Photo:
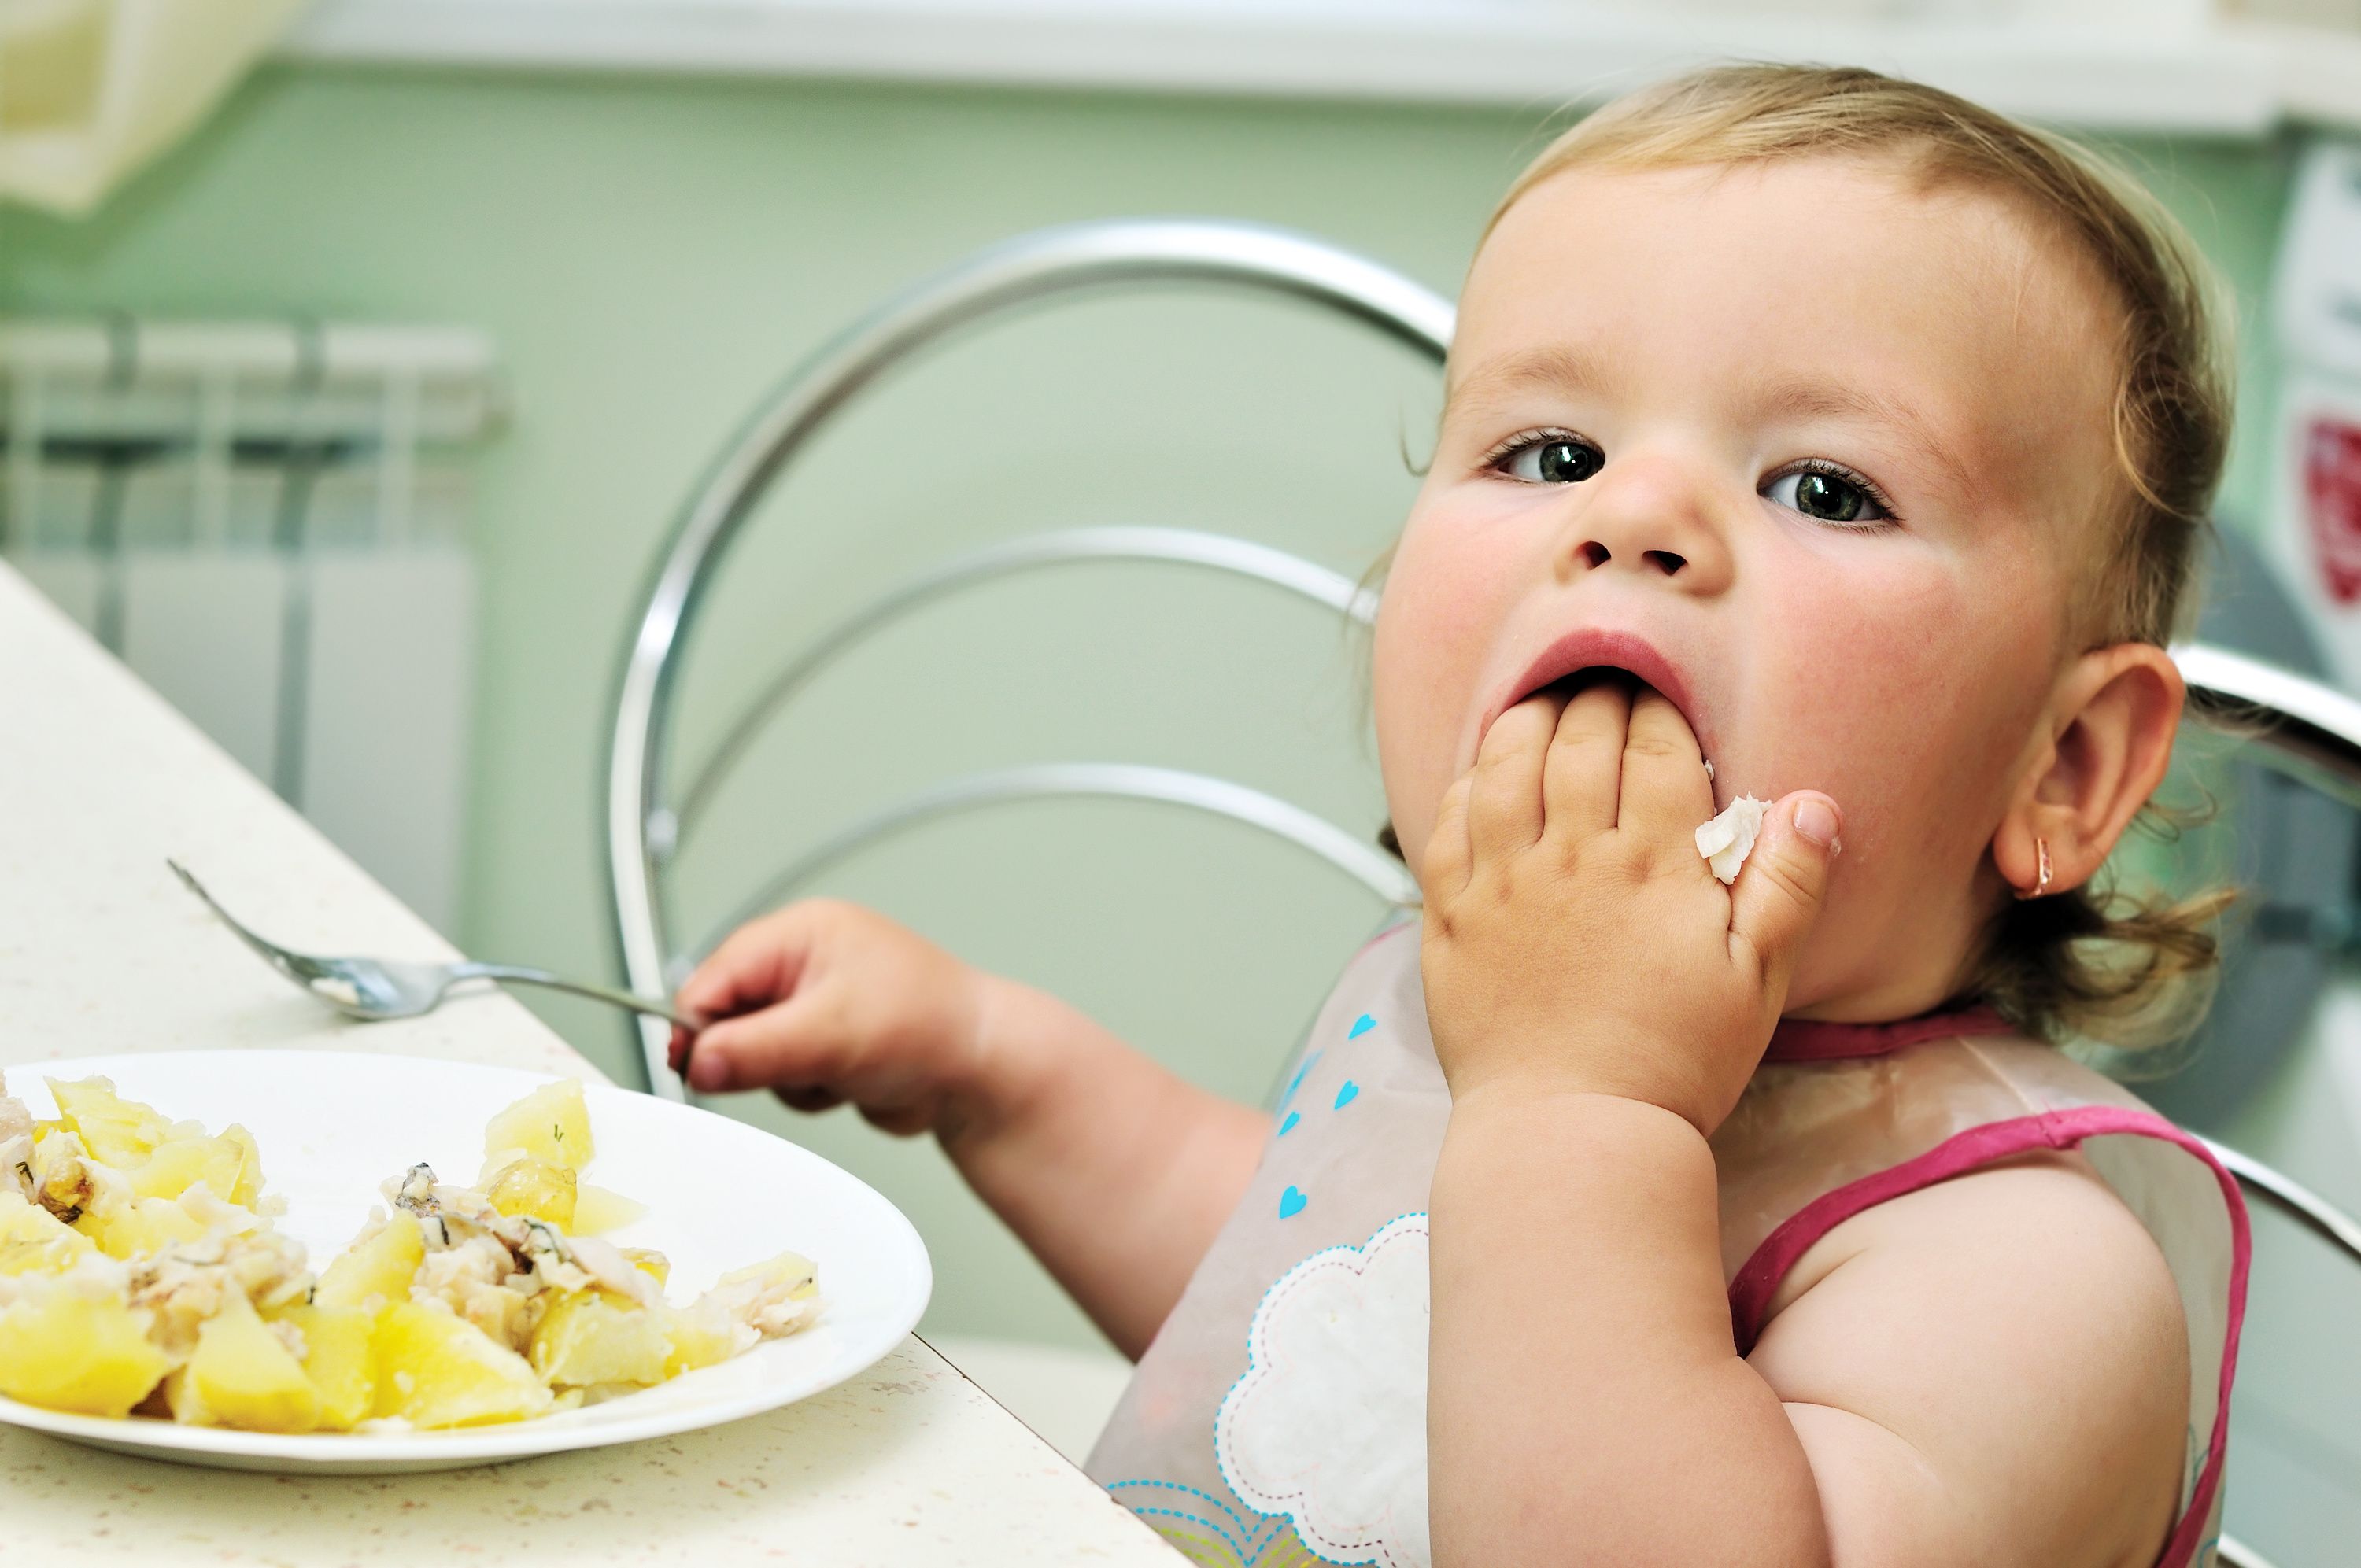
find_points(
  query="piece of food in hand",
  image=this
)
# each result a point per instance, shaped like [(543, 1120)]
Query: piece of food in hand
[(76, 1344), (434, 1369), (245, 1373), (377, 1269), (530, 1189), (1729, 838), (551, 1123), (590, 1337)]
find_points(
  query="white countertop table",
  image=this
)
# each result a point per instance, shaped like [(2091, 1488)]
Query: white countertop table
[(101, 951)]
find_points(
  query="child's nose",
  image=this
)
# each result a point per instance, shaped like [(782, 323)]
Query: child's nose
[(1650, 518)]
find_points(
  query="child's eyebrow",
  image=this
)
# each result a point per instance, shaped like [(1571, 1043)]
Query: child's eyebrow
[(1559, 368), (1832, 397)]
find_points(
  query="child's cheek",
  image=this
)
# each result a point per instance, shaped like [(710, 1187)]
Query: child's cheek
[(1915, 682), (1910, 699), (1443, 608)]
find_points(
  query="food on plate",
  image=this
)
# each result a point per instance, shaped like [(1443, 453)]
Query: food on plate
[(79, 1345), (141, 1275)]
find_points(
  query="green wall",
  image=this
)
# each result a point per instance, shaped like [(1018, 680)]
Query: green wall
[(650, 253)]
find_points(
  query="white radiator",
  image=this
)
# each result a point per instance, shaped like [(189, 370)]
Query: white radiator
[(267, 523)]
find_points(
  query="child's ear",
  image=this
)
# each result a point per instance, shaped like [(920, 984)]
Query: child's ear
[(2112, 724)]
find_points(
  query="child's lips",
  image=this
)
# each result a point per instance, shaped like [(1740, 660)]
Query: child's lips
[(1592, 647)]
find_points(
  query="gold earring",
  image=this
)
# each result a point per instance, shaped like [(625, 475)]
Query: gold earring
[(2041, 862)]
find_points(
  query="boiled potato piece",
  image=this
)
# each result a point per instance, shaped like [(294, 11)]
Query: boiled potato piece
[(789, 1274), (33, 1240), (139, 1227), (249, 1185), (117, 1132), (81, 1350), (551, 1123), (337, 1360), (533, 1189), (648, 1261), (598, 1210), (244, 1376), (179, 1163), (377, 1269), (133, 1228), (590, 1337), (700, 1335), (437, 1370)]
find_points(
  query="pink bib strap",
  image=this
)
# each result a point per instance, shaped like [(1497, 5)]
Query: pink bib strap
[(1757, 1281), (1811, 1040)]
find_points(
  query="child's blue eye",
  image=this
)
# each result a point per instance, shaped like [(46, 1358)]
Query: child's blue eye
[(1828, 497), (1550, 458)]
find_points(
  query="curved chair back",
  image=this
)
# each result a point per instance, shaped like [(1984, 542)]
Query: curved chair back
[(646, 822), (2318, 1217)]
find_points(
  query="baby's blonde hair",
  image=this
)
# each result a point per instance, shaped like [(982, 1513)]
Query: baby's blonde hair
[(2088, 963)]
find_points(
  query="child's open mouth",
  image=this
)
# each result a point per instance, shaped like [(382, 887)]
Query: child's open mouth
[(1565, 689), (1584, 658)]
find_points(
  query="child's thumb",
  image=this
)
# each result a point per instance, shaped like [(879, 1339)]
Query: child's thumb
[(1780, 889)]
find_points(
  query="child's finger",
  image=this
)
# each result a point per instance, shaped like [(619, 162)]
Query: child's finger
[(1504, 814), (1664, 790), (787, 1046), (902, 1121), (1449, 859), (1780, 890), (757, 964), (1581, 780)]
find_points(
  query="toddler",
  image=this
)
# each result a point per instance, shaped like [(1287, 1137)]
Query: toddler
[(1809, 435)]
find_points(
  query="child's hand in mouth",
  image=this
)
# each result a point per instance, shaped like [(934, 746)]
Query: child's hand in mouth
[(1575, 940)]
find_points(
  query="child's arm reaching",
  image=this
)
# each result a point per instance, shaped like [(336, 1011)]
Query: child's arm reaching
[(1986, 1371), (1116, 1172)]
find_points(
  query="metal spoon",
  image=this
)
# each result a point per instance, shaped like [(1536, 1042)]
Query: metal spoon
[(375, 989)]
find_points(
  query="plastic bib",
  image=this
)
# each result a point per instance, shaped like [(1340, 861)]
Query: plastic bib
[(1279, 1417)]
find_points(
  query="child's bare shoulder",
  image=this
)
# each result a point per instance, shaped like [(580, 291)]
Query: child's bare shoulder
[(2000, 1359)]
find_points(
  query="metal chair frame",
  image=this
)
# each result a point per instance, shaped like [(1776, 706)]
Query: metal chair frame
[(2301, 726), (643, 831)]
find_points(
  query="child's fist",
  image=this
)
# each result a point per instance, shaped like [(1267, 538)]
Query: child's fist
[(1575, 940), (825, 1003)]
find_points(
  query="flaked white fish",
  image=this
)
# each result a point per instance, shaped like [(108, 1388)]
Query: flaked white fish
[(1729, 838)]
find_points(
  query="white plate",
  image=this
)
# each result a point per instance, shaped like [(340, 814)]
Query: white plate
[(720, 1194)]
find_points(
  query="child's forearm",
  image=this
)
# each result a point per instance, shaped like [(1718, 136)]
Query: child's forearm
[(1586, 1403), (1114, 1171)]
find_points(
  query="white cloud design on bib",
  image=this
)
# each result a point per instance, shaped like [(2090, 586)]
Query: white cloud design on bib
[(1328, 1426)]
